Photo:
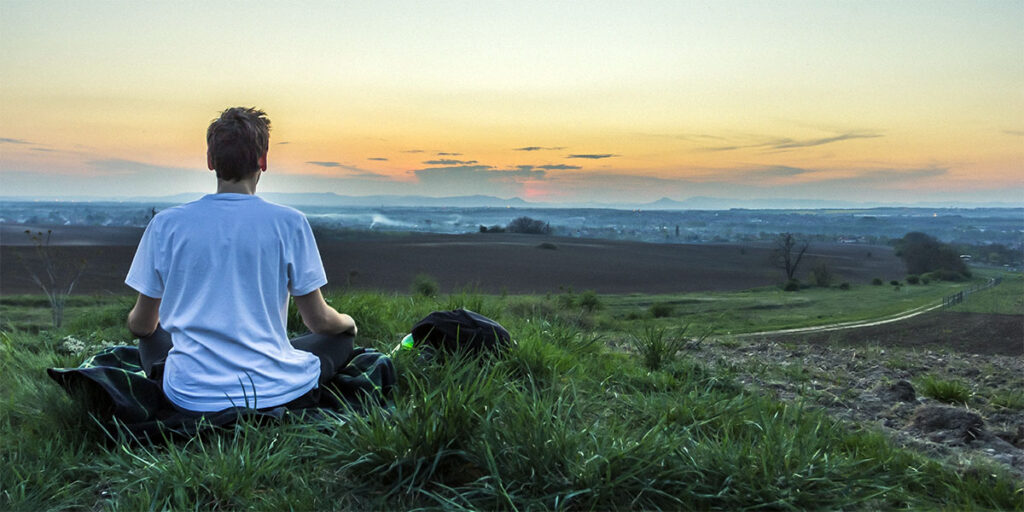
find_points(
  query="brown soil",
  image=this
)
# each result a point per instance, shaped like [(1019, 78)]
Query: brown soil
[(492, 263)]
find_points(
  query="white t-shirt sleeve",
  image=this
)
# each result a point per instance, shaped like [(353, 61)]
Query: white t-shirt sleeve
[(144, 275), (305, 269)]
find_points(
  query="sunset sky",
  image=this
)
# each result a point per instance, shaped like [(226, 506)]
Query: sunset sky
[(894, 101)]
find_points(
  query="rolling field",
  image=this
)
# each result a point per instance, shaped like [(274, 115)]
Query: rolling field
[(603, 404), (988, 322), (492, 263), (769, 308)]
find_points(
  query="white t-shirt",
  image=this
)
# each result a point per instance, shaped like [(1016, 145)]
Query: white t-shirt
[(223, 267)]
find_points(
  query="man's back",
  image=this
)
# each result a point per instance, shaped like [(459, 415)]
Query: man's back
[(224, 266)]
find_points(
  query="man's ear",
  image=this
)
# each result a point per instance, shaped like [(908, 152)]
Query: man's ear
[(209, 161), (262, 161)]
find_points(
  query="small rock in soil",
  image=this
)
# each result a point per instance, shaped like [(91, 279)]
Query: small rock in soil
[(936, 418)]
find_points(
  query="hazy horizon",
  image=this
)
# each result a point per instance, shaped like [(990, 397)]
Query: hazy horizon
[(917, 102), (327, 199)]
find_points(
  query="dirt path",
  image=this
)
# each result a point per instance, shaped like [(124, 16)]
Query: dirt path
[(906, 315), (911, 313)]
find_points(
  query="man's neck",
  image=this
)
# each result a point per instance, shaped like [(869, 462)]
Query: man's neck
[(243, 186)]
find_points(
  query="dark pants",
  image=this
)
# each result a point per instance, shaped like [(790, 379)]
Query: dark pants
[(333, 350)]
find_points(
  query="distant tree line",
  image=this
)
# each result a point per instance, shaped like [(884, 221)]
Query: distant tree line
[(993, 254)]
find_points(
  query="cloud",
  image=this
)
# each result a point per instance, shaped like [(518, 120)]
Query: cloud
[(693, 137), (324, 164), (593, 156), (773, 171), (1015, 133), (449, 154), (539, 148), (878, 176), (283, 143), (353, 171), (378, 158), (117, 166), (764, 182), (790, 143), (447, 161), (549, 167), (48, 150), (413, 151), (784, 143), (477, 171), (887, 176), (368, 175), (6, 140)]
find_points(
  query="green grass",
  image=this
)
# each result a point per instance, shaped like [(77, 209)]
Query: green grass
[(1005, 299), (1008, 399), (32, 313), (658, 345), (562, 422), (771, 308), (945, 390)]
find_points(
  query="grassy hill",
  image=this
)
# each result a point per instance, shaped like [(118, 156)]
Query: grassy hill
[(563, 422)]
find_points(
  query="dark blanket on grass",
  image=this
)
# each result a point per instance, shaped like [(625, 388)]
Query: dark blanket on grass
[(117, 391)]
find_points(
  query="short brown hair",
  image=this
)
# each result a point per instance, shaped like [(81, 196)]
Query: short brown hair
[(236, 140)]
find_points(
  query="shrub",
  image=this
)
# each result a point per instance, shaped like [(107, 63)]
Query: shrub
[(547, 245), (566, 300), (913, 279), (590, 301), (793, 285), (894, 282), (950, 391), (661, 310), (58, 276), (529, 226), (844, 286), (425, 285), (877, 281), (822, 275), (634, 315)]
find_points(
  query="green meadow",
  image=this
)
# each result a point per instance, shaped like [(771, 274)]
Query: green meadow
[(568, 419), (1005, 299)]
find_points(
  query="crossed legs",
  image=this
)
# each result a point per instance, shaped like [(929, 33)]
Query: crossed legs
[(333, 350)]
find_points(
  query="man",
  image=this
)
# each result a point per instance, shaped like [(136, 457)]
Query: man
[(214, 277)]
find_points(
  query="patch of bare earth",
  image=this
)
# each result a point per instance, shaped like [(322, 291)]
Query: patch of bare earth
[(490, 263), (872, 376)]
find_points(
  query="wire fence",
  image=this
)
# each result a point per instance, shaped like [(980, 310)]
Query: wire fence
[(960, 296)]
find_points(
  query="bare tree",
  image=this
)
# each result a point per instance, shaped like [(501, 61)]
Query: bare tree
[(788, 253), (58, 275)]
